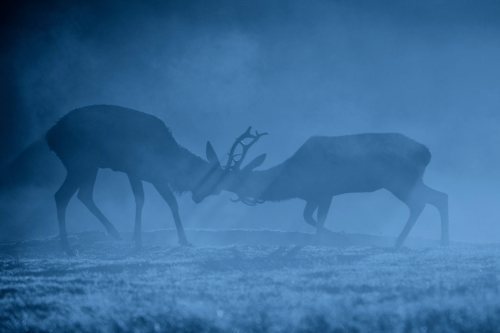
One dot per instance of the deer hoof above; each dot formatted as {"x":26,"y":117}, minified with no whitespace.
{"x":114,"y":233}
{"x":68,"y":251}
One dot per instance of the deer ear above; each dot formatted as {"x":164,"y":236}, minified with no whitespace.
{"x":211,"y":155}
{"x":255,"y":163}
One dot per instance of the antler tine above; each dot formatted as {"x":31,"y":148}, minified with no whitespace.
{"x":246,"y":147}
{"x":237,"y":141}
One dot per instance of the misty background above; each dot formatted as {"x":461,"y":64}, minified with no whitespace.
{"x":427,"y":69}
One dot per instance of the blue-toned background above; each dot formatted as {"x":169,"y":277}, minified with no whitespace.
{"x":428,"y":69}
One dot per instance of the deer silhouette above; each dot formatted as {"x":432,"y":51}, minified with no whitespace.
{"x":324,"y":167}
{"x":133,"y":142}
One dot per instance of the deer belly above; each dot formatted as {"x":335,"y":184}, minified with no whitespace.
{"x":350,"y":181}
{"x":125,"y":164}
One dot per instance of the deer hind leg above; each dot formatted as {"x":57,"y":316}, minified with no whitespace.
{"x":308,"y":213}
{"x":323,"y":207}
{"x":169,"y":197}
{"x":85,"y":194}
{"x":138,"y":191}
{"x":62,"y":197}
{"x":440,"y":201}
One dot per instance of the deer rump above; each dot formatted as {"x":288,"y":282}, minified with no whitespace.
{"x":329,"y":166}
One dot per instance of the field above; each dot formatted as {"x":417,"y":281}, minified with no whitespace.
{"x":248,"y":281}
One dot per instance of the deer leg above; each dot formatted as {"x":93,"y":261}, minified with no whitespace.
{"x":323,"y":209}
{"x":85,"y":194}
{"x":169,"y":197}
{"x":440,"y":201}
{"x":62,"y":197}
{"x":416,"y":206}
{"x":308,"y":216}
{"x":308,"y":213}
{"x":138,"y":190}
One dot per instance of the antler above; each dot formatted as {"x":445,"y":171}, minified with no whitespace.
{"x":232,"y":162}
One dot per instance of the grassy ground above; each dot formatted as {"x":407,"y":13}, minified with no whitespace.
{"x":247,"y":288}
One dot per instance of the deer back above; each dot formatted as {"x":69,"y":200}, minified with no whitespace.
{"x":345,"y":164}
{"x":122,"y":139}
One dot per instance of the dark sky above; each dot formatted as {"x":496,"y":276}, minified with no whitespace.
{"x":428,"y":69}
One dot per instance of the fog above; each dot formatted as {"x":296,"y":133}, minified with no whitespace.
{"x":294,"y":69}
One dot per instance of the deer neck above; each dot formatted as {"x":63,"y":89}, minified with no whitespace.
{"x":265,"y":185}
{"x":189,"y":171}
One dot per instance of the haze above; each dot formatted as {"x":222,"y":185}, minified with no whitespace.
{"x":427,"y":69}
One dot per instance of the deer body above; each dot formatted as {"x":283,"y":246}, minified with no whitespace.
{"x":324,"y":167}
{"x":329,"y":166}
{"x":125,"y":140}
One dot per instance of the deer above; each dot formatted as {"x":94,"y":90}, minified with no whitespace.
{"x":133,"y":142}
{"x":327,"y":166}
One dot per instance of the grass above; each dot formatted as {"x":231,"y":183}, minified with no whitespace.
{"x":247,"y":288}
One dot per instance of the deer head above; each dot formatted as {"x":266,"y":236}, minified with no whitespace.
{"x":226,"y":178}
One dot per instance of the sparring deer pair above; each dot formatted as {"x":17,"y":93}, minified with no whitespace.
{"x":141,"y":146}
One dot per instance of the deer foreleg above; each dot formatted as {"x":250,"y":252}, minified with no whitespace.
{"x":415,"y":210}
{"x":169,"y":197}
{"x":85,"y":194}
{"x":138,"y":191}
{"x":62,"y":197}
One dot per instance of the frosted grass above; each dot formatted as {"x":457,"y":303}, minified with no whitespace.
{"x":110,"y":288}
